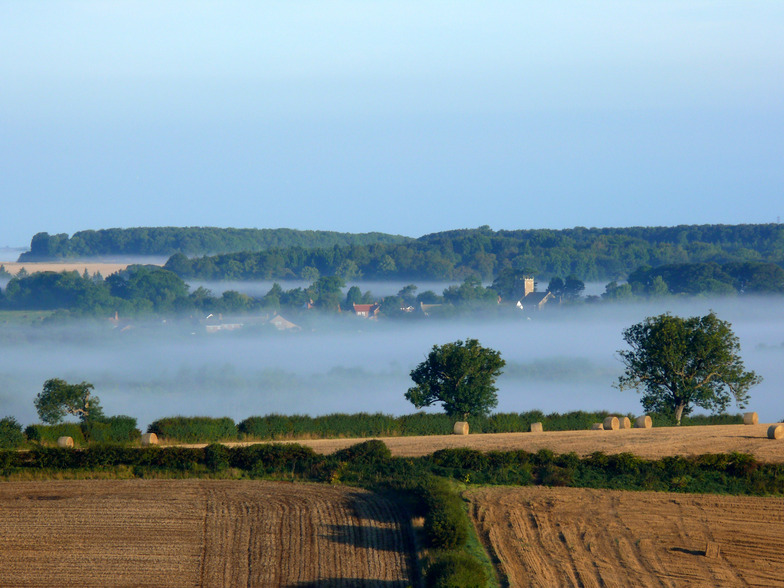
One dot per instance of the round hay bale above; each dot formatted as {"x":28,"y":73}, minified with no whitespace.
{"x":643,"y":422}
{"x":775,"y":431}
{"x":65,"y":442}
{"x":626,"y":423}
{"x":461,"y":428}
{"x":597,"y":427}
{"x":750,"y":418}
{"x":536,"y":427}
{"x":611,"y":423}
{"x":149,"y":439}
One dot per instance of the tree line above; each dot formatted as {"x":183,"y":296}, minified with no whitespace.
{"x":164,"y":241}
{"x":588,"y":253}
{"x":147,"y":289}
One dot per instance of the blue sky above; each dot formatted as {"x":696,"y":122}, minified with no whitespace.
{"x":406,"y":117}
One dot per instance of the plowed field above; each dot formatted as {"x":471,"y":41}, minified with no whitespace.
{"x":199,"y":533}
{"x":552,"y":537}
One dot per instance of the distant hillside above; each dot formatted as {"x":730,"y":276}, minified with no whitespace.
{"x":165,"y":241}
{"x":588,"y":254}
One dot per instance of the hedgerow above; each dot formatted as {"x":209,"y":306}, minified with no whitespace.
{"x":194,"y":429}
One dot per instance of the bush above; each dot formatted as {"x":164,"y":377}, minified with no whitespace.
{"x":216,"y":457}
{"x":446,"y":522}
{"x":455,"y":570}
{"x":49,"y":434}
{"x":367,"y":452}
{"x":11,"y":435}
{"x":272,"y":459}
{"x":194,"y":429}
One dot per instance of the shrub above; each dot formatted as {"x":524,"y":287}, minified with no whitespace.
{"x":275,"y":458}
{"x":11,"y":435}
{"x":446,"y":522}
{"x":462,"y":458}
{"x":367,"y":452}
{"x":216,"y":457}
{"x":194,"y":429}
{"x":455,"y":570}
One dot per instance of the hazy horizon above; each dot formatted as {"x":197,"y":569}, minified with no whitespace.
{"x":558,"y":361}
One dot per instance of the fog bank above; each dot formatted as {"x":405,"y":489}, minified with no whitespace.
{"x":560,"y":360}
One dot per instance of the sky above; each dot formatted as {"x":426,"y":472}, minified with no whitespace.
{"x":401,"y":116}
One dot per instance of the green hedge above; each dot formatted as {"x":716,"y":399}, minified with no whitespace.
{"x":49,"y":434}
{"x":116,"y":429}
{"x":455,"y":570}
{"x":194,"y":429}
{"x":277,"y":426}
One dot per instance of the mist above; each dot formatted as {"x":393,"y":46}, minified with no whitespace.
{"x":561,"y":359}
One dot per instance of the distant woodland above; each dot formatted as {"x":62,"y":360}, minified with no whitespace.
{"x":165,"y":241}
{"x":589,"y":254}
{"x":488,"y":265}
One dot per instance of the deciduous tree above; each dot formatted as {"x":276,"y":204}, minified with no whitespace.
{"x":59,"y":398}
{"x":679,"y":362}
{"x":460,"y":375}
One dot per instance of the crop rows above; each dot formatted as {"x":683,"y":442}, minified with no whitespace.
{"x":199,"y":533}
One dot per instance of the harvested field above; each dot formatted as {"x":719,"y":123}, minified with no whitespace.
{"x":199,"y":533}
{"x":647,"y":443}
{"x":106,"y":269}
{"x":580,"y":537}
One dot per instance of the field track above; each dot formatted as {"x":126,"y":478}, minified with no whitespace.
{"x":647,"y":443}
{"x":549,"y":537}
{"x":200,"y":533}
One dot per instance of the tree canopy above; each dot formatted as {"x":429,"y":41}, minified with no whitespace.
{"x":679,"y":362}
{"x":59,"y":398}
{"x":460,"y":375}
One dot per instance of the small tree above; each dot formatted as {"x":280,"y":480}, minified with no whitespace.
{"x":59,"y":398}
{"x":459,"y":375}
{"x":678,"y":362}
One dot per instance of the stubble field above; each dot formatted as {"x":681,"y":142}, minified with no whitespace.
{"x":200,"y":533}
{"x":548,"y":537}
{"x":646,"y":443}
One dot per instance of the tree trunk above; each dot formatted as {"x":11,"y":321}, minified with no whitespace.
{"x":679,"y":412}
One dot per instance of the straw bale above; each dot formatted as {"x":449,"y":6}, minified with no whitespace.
{"x":643,"y":422}
{"x":626,"y":423}
{"x":461,"y":428}
{"x":750,"y":418}
{"x":611,"y":423}
{"x":65,"y":442}
{"x":775,"y":431}
{"x":712,"y":550}
{"x":536,"y":427}
{"x":597,"y":427}
{"x":149,"y":439}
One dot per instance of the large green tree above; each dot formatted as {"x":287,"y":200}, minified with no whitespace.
{"x":679,"y":362}
{"x":460,"y":375}
{"x":59,"y":398}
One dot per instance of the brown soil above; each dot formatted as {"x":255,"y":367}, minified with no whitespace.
{"x":199,"y":533}
{"x":579,"y":537}
{"x":647,"y":443}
